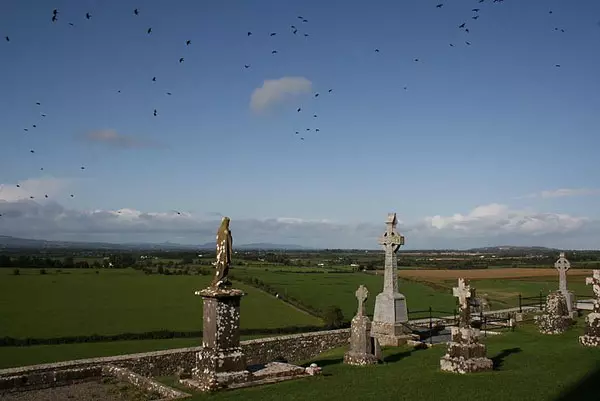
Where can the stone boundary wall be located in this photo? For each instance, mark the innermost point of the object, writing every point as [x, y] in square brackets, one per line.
[293, 348]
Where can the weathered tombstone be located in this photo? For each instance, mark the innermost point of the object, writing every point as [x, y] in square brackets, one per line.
[591, 337]
[563, 265]
[390, 306]
[465, 353]
[364, 349]
[555, 318]
[221, 363]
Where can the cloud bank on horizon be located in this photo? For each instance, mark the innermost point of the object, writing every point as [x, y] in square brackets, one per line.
[485, 225]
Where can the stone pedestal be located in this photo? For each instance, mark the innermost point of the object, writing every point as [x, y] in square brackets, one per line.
[390, 314]
[571, 303]
[221, 362]
[556, 318]
[591, 338]
[465, 353]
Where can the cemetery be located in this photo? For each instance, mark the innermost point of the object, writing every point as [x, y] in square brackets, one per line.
[468, 347]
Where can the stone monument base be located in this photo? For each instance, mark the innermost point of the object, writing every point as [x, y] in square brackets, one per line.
[556, 318]
[591, 338]
[465, 353]
[392, 335]
[360, 359]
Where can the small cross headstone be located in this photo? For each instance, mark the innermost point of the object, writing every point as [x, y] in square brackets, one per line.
[463, 293]
[361, 294]
[562, 265]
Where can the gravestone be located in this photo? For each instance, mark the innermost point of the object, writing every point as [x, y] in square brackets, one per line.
[563, 265]
[221, 363]
[555, 318]
[591, 337]
[364, 349]
[465, 353]
[391, 314]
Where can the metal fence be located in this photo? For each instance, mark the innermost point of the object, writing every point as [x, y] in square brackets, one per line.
[537, 300]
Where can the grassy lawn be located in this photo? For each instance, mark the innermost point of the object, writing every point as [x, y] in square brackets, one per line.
[321, 290]
[81, 302]
[530, 367]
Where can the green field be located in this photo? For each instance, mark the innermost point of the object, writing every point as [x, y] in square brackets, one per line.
[321, 290]
[81, 302]
[530, 366]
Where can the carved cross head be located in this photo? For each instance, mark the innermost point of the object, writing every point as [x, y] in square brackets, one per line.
[562, 264]
[361, 295]
[462, 292]
[595, 282]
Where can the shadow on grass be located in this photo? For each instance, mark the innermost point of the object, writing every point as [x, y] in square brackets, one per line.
[585, 390]
[498, 360]
[326, 362]
[401, 355]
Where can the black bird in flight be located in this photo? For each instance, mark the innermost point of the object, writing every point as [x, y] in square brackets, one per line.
[25, 129]
[18, 186]
[72, 24]
[314, 115]
[34, 126]
[301, 138]
[82, 167]
[306, 35]
[149, 30]
[451, 45]
[330, 90]
[38, 103]
[136, 12]
[246, 66]
[557, 65]
[88, 16]
[376, 50]
[181, 60]
[475, 16]
[249, 33]
[274, 52]
[188, 42]
[406, 87]
[297, 133]
[317, 130]
[304, 20]
[7, 38]
[54, 19]
[462, 25]
[31, 197]
[32, 151]
[300, 17]
[299, 109]
[440, 5]
[46, 196]
[273, 34]
[54, 12]
[153, 79]
[43, 115]
[119, 91]
[550, 12]
[169, 93]
[72, 196]
[308, 129]
[468, 43]
[155, 113]
[316, 95]
[295, 31]
[475, 10]
[467, 30]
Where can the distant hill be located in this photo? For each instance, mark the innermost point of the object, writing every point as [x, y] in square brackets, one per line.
[7, 242]
[512, 248]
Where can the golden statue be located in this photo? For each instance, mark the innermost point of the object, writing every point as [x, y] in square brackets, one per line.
[224, 252]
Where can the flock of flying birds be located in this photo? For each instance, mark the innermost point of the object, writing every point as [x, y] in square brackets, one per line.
[294, 30]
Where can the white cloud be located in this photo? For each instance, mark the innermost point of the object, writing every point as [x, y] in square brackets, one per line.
[36, 187]
[276, 90]
[563, 192]
[485, 225]
[112, 138]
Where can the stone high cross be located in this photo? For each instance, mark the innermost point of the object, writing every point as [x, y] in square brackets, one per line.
[464, 294]
[562, 265]
[391, 242]
[361, 294]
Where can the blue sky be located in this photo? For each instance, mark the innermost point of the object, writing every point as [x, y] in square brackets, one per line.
[491, 123]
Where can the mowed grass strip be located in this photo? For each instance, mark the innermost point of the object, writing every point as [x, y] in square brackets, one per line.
[81, 302]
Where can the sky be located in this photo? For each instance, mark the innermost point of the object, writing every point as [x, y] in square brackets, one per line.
[490, 142]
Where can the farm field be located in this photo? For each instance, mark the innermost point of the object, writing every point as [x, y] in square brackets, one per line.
[81, 302]
[528, 366]
[506, 273]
